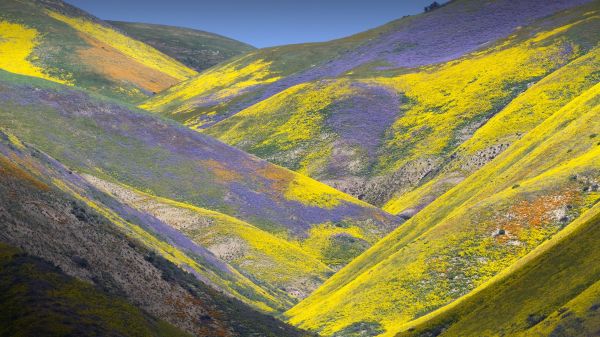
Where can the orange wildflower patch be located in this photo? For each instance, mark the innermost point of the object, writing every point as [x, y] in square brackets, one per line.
[222, 172]
[110, 62]
[543, 210]
[280, 179]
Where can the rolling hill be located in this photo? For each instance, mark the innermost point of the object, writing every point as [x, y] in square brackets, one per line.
[558, 282]
[125, 262]
[435, 176]
[53, 40]
[196, 49]
[224, 192]
[405, 43]
[383, 111]
[532, 190]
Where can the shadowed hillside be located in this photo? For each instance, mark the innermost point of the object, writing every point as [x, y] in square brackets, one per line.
[39, 300]
[116, 252]
[196, 49]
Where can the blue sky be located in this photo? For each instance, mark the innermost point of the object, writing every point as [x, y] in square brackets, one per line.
[261, 23]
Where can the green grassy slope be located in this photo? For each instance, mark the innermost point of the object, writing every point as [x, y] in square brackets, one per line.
[53, 40]
[40, 300]
[553, 291]
[196, 49]
[532, 190]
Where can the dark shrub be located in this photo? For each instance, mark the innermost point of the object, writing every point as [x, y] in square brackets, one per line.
[434, 5]
[360, 329]
[534, 319]
[80, 261]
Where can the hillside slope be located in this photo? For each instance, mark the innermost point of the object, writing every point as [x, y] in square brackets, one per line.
[56, 41]
[439, 36]
[551, 292]
[39, 300]
[158, 237]
[384, 117]
[381, 135]
[525, 112]
[264, 257]
[218, 185]
[126, 261]
[196, 49]
[476, 125]
[504, 210]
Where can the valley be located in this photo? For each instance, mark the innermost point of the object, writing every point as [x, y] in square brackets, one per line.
[438, 175]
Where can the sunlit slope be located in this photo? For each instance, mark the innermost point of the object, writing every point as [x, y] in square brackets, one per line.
[522, 114]
[50, 212]
[226, 89]
[196, 49]
[554, 291]
[116, 143]
[58, 42]
[16, 47]
[380, 136]
[274, 262]
[442, 35]
[531, 191]
[325, 129]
